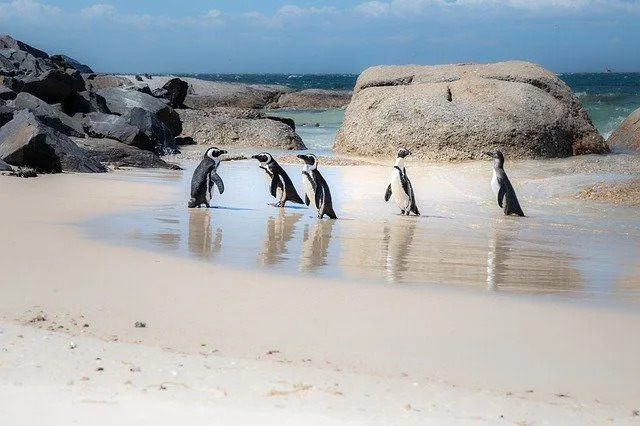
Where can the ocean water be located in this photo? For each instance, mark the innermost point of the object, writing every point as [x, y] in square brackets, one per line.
[608, 98]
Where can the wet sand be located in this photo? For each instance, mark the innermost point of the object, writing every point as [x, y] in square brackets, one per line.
[327, 326]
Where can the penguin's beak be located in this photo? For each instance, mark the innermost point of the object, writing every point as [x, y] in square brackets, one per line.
[490, 154]
[301, 156]
[255, 157]
[223, 152]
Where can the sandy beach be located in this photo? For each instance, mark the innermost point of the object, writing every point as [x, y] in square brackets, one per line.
[330, 344]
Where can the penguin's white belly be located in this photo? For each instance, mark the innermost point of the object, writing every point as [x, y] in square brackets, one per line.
[308, 190]
[401, 197]
[495, 186]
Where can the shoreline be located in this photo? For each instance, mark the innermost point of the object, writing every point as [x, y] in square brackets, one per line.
[245, 315]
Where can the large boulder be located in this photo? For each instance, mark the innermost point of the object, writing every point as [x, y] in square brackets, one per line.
[455, 112]
[161, 139]
[206, 127]
[627, 136]
[174, 90]
[120, 100]
[54, 86]
[48, 114]
[25, 141]
[313, 99]
[84, 103]
[118, 154]
[99, 125]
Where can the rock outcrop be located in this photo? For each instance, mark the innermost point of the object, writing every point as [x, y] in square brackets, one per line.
[120, 101]
[48, 115]
[456, 112]
[313, 99]
[211, 128]
[26, 142]
[118, 154]
[4, 167]
[159, 136]
[627, 136]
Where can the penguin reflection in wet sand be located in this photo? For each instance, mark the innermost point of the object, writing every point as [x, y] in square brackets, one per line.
[400, 186]
[204, 177]
[280, 185]
[315, 187]
[502, 188]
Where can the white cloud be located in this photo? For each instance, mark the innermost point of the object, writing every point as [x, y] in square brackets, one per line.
[98, 10]
[28, 10]
[373, 8]
[291, 10]
[378, 8]
[287, 13]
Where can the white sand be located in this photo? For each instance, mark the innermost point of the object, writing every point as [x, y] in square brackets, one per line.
[342, 352]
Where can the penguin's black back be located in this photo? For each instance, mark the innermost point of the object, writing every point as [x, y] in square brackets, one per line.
[327, 203]
[510, 204]
[199, 180]
[290, 190]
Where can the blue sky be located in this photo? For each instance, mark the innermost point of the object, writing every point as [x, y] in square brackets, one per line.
[327, 36]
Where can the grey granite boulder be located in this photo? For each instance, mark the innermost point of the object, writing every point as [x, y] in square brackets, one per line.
[118, 154]
[26, 142]
[627, 136]
[6, 114]
[120, 100]
[65, 61]
[457, 112]
[49, 114]
[99, 125]
[96, 82]
[313, 99]
[208, 127]
[160, 138]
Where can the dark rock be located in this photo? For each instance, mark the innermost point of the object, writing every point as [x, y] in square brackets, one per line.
[49, 115]
[288, 121]
[116, 127]
[6, 114]
[174, 90]
[65, 61]
[55, 85]
[4, 167]
[84, 103]
[185, 140]
[6, 93]
[25, 141]
[148, 76]
[138, 78]
[120, 100]
[161, 138]
[119, 154]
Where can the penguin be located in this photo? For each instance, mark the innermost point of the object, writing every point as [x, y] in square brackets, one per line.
[280, 185]
[315, 187]
[502, 188]
[401, 187]
[204, 177]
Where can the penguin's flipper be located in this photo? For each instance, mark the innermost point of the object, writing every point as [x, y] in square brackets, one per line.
[319, 198]
[501, 193]
[306, 199]
[387, 194]
[274, 185]
[215, 178]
